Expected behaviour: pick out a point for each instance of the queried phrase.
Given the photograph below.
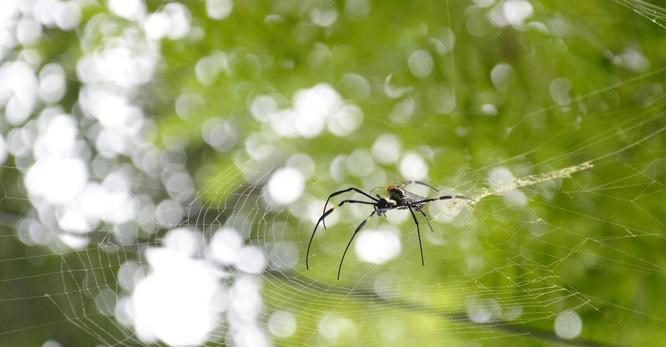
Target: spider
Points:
(397, 198)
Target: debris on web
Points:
(454, 206)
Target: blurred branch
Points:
(290, 279)
(9, 219)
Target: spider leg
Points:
(352, 239)
(418, 232)
(418, 182)
(321, 220)
(426, 217)
(443, 197)
(344, 191)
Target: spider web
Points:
(512, 292)
(501, 269)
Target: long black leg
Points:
(418, 232)
(352, 239)
(443, 197)
(344, 191)
(321, 220)
(426, 217)
(420, 183)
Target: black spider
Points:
(397, 198)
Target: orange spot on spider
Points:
(388, 188)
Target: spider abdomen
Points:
(397, 195)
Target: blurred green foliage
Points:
(596, 239)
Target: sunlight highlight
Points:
(377, 246)
(175, 302)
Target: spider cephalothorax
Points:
(384, 205)
(397, 198)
